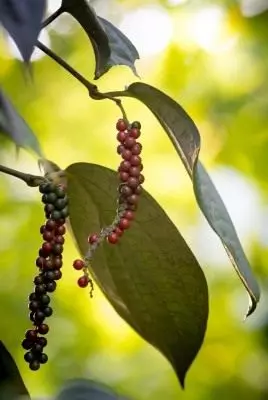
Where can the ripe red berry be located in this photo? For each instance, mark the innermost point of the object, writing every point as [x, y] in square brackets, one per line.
[121, 125]
[48, 236]
[128, 214]
[135, 133]
[118, 231]
[136, 149]
[46, 248]
[78, 264]
[133, 182]
[124, 223]
[83, 281]
[120, 148]
[31, 335]
[92, 238]
[123, 176]
[124, 166]
[126, 154]
[129, 143]
[135, 160]
[59, 239]
[40, 262]
[134, 171]
[50, 225]
[60, 230]
[112, 238]
[121, 136]
[133, 199]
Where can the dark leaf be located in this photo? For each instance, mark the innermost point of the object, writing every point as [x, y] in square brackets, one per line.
[14, 126]
[22, 19]
[176, 122]
[151, 276]
[82, 389]
[111, 47]
[11, 384]
[123, 52]
[215, 211]
[186, 140]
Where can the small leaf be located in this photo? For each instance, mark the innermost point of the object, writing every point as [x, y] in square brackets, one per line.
[11, 383]
[111, 46]
[176, 122]
[14, 126]
[215, 211]
[151, 277]
[22, 19]
[123, 52]
[81, 389]
[186, 140]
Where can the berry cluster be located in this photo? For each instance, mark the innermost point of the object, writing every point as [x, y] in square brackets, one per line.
[49, 263]
[129, 189]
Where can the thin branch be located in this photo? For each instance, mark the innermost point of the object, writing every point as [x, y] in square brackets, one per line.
[92, 89]
[30, 180]
[52, 17]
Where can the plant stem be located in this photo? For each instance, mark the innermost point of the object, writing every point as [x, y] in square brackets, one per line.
[30, 180]
[52, 17]
[92, 89]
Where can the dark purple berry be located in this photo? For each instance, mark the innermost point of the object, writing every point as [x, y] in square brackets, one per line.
[44, 299]
[31, 335]
[57, 274]
[27, 344]
[51, 286]
[43, 358]
[57, 249]
[40, 289]
[39, 316]
[38, 280]
[34, 305]
[50, 225]
[34, 365]
[43, 329]
[48, 311]
[42, 341]
[29, 356]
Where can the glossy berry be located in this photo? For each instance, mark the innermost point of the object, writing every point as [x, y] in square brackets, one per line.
[48, 236]
[39, 316]
[65, 212]
[48, 311]
[83, 281]
[48, 264]
[51, 197]
[37, 348]
[57, 249]
[129, 143]
[38, 280]
[128, 214]
[124, 166]
[136, 149]
[141, 179]
[57, 274]
[27, 344]
[61, 203]
[78, 264]
[46, 248]
[134, 171]
[31, 334]
[49, 208]
[60, 192]
[118, 231]
[29, 356]
[126, 154]
[121, 136]
[32, 296]
[44, 299]
[50, 225]
[135, 160]
[40, 262]
[124, 224]
[135, 133]
[51, 286]
[133, 199]
[120, 148]
[57, 262]
[133, 182]
[34, 305]
[42, 341]
[123, 176]
[42, 229]
[112, 238]
[40, 289]
[121, 125]
[43, 329]
[60, 230]
[92, 238]
[125, 190]
[43, 358]
[34, 365]
[136, 125]
[56, 215]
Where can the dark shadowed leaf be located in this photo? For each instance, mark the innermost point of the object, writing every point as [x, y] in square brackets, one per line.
[22, 19]
[14, 126]
[176, 122]
[82, 389]
[111, 47]
[215, 211]
[186, 140]
[11, 384]
[151, 277]
[123, 52]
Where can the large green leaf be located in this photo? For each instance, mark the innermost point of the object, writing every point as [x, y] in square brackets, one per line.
[151, 276]
[14, 126]
[186, 140]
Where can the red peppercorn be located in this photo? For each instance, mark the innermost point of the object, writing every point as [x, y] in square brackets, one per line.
[60, 230]
[124, 223]
[118, 231]
[135, 133]
[39, 262]
[123, 176]
[46, 248]
[78, 264]
[126, 154]
[128, 214]
[31, 335]
[125, 190]
[59, 239]
[121, 125]
[129, 143]
[135, 160]
[43, 329]
[50, 225]
[134, 171]
[112, 238]
[92, 238]
[121, 136]
[124, 166]
[133, 182]
[133, 199]
[83, 281]
[136, 149]
[48, 236]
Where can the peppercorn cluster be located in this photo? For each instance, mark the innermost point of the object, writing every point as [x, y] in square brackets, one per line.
[130, 188]
[49, 263]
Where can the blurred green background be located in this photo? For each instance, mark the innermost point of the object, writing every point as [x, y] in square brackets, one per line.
[211, 57]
